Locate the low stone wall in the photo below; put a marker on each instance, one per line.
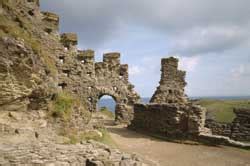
(218, 128)
(238, 130)
(168, 120)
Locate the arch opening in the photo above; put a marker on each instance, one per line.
(106, 105)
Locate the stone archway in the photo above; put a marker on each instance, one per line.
(88, 80)
(124, 104)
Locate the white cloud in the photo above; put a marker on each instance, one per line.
(189, 63)
(242, 71)
(194, 26)
(135, 70)
(212, 39)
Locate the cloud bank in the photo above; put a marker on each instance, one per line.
(194, 27)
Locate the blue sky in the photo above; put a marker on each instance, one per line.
(211, 38)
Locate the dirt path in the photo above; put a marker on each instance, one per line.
(173, 154)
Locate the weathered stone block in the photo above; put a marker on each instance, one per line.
(69, 39)
(112, 58)
(51, 17)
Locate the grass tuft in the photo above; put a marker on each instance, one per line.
(62, 106)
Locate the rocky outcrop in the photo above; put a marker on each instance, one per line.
(22, 74)
(45, 153)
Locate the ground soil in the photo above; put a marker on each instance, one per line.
(174, 154)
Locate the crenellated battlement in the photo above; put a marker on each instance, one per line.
(69, 39)
(112, 58)
(86, 56)
(50, 17)
(51, 21)
(36, 2)
(77, 71)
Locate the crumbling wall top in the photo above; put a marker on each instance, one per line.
(69, 39)
(37, 2)
(172, 83)
(170, 61)
(51, 17)
(113, 57)
(86, 53)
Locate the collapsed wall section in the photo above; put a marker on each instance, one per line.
(169, 113)
(172, 83)
(238, 130)
(168, 120)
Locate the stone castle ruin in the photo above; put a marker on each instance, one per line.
(90, 80)
(169, 112)
(80, 75)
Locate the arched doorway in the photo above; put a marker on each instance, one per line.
(106, 106)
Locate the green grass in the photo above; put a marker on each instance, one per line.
(222, 110)
(107, 112)
(62, 106)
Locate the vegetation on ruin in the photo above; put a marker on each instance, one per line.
(105, 111)
(222, 110)
(62, 106)
(21, 28)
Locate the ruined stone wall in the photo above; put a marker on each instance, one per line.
(55, 59)
(90, 80)
(238, 130)
(172, 83)
(169, 113)
(169, 120)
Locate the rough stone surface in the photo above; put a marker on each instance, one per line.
(238, 130)
(169, 120)
(169, 112)
(172, 83)
(21, 77)
(73, 70)
(90, 80)
(45, 153)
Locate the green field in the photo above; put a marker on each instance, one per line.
(222, 110)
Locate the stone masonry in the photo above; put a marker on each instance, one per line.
(90, 80)
(172, 83)
(80, 75)
(238, 130)
(170, 113)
